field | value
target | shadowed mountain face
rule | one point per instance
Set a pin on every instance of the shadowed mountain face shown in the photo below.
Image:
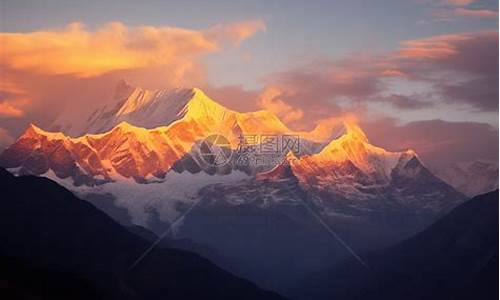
(20, 280)
(48, 229)
(262, 221)
(455, 258)
(472, 178)
(276, 230)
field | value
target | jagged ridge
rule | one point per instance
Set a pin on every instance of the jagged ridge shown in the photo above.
(131, 151)
(348, 165)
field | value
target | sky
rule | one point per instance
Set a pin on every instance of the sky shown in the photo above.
(400, 66)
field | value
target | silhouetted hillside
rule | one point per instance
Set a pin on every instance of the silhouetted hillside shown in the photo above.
(455, 258)
(46, 227)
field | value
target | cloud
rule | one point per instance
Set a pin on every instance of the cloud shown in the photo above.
(406, 102)
(462, 67)
(12, 99)
(482, 92)
(461, 51)
(270, 100)
(431, 48)
(320, 80)
(438, 143)
(237, 98)
(393, 73)
(5, 138)
(77, 51)
(457, 69)
(44, 68)
(234, 97)
(453, 13)
(457, 2)
(476, 13)
(41, 72)
(9, 110)
(237, 32)
(474, 53)
(321, 88)
(448, 10)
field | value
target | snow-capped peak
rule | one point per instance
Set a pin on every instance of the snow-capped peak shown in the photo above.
(137, 106)
(353, 131)
(154, 108)
(352, 146)
(281, 172)
(471, 177)
(145, 132)
(35, 131)
(200, 106)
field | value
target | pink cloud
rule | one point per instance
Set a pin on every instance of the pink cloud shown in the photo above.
(438, 143)
(234, 97)
(477, 13)
(393, 73)
(448, 10)
(5, 138)
(448, 14)
(324, 88)
(472, 52)
(461, 69)
(457, 2)
(432, 48)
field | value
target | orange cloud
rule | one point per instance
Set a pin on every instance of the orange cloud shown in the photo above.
(270, 100)
(12, 99)
(8, 110)
(46, 67)
(83, 53)
(236, 32)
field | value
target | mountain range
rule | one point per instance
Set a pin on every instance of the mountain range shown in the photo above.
(472, 177)
(60, 246)
(142, 158)
(454, 258)
(176, 119)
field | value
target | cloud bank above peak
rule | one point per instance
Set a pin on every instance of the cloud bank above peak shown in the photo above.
(78, 66)
(75, 50)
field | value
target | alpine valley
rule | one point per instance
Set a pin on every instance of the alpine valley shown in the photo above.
(141, 158)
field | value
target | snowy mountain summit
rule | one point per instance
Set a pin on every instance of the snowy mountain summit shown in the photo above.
(144, 145)
(137, 106)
